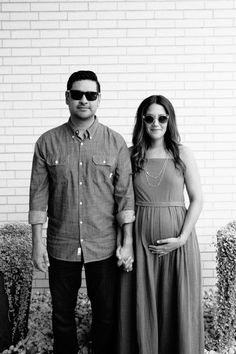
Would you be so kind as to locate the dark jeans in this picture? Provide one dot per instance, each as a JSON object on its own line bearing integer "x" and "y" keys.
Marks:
{"x": 64, "y": 282}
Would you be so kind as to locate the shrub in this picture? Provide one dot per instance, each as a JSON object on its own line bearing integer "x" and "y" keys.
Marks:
{"x": 209, "y": 313}
{"x": 40, "y": 339}
{"x": 17, "y": 270}
{"x": 226, "y": 286}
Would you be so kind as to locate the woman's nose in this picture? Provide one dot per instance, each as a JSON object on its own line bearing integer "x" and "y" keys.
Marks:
{"x": 156, "y": 121}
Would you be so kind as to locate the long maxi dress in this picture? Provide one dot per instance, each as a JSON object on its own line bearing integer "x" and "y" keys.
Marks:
{"x": 168, "y": 288}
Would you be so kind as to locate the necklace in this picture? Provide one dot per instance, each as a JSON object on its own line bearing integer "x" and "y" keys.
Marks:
{"x": 154, "y": 181}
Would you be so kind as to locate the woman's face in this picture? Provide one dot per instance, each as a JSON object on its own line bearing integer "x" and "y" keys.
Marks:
{"x": 157, "y": 128}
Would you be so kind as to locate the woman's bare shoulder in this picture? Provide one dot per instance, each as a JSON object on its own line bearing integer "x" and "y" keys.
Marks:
{"x": 186, "y": 153}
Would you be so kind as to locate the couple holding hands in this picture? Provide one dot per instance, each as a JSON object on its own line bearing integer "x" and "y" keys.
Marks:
{"x": 107, "y": 205}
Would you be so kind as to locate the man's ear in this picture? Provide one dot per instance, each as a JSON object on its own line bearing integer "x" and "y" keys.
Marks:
{"x": 67, "y": 97}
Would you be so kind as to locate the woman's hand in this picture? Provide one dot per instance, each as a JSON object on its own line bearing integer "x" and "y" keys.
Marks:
{"x": 166, "y": 246}
{"x": 125, "y": 257}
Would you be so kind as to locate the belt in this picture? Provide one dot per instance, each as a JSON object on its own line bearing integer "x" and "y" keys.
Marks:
{"x": 160, "y": 204}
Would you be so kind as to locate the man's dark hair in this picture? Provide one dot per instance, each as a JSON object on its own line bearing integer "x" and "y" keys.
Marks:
{"x": 83, "y": 75}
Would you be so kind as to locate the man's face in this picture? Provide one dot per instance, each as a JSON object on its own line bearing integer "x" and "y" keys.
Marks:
{"x": 83, "y": 108}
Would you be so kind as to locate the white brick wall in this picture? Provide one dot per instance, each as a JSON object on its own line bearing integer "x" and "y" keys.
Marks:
{"x": 185, "y": 50}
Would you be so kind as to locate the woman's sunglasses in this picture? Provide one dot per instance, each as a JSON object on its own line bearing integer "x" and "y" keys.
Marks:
{"x": 161, "y": 119}
{"x": 77, "y": 95}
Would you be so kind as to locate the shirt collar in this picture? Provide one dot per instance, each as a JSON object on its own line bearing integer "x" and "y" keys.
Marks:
{"x": 88, "y": 133}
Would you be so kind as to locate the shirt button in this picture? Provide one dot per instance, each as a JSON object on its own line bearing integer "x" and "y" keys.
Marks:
{"x": 80, "y": 183}
{"x": 81, "y": 144}
{"x": 81, "y": 240}
{"x": 104, "y": 161}
{"x": 80, "y": 203}
{"x": 56, "y": 162}
{"x": 81, "y": 163}
{"x": 81, "y": 222}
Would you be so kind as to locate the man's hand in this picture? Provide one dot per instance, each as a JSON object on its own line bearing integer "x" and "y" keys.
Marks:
{"x": 165, "y": 246}
{"x": 40, "y": 257}
{"x": 125, "y": 257}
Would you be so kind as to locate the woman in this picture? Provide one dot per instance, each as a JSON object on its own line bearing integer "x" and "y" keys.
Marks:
{"x": 168, "y": 281}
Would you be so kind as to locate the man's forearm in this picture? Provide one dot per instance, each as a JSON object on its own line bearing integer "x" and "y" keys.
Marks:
{"x": 37, "y": 233}
{"x": 127, "y": 234}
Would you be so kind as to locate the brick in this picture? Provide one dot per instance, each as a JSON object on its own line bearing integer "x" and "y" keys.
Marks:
{"x": 6, "y": 157}
{"x": 18, "y": 200}
{"x": 110, "y": 51}
{"x": 209, "y": 282}
{"x": 7, "y": 208}
{"x": 139, "y": 23}
{"x": 4, "y": 16}
{"x": 5, "y": 34}
{"x": 164, "y": 5}
{"x": 197, "y": 14}
{"x": 131, "y": 42}
{"x": 183, "y": 5}
{"x": 5, "y": 52}
{"x": 73, "y": 42}
{"x": 45, "y": 61}
{"x": 44, "y": 6}
{"x": 23, "y": 16}
{"x": 3, "y": 218}
{"x": 131, "y": 5}
{"x": 207, "y": 273}
{"x": 44, "y": 25}
{"x": 84, "y": 33}
{"x": 111, "y": 15}
{"x": 102, "y": 6}
{"x": 54, "y": 52}
{"x": 74, "y": 6}
{"x": 15, "y": 7}
{"x": 144, "y": 32}
{"x": 24, "y": 174}
{"x": 73, "y": 24}
{"x": 211, "y": 4}
{"x": 18, "y": 183}
{"x": 15, "y": 25}
{"x": 132, "y": 15}
{"x": 59, "y": 33}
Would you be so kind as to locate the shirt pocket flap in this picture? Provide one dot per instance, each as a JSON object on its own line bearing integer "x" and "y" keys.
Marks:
{"x": 55, "y": 161}
{"x": 103, "y": 160}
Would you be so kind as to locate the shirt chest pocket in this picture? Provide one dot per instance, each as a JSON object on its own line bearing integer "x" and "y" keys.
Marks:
{"x": 58, "y": 170}
{"x": 103, "y": 167}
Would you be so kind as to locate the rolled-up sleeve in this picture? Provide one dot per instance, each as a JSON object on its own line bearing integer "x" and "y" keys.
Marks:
{"x": 124, "y": 194}
{"x": 39, "y": 188}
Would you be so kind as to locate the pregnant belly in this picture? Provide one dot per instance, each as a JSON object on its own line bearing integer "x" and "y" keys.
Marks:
{"x": 154, "y": 223}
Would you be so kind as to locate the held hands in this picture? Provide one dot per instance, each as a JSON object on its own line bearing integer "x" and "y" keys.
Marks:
{"x": 125, "y": 257}
{"x": 40, "y": 257}
{"x": 165, "y": 246}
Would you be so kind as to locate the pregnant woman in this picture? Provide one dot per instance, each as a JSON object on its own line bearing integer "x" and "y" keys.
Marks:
{"x": 167, "y": 261}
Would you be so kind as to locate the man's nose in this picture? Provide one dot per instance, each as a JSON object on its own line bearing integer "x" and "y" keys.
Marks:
{"x": 83, "y": 99}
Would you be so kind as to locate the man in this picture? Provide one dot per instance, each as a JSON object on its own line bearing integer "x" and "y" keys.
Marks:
{"x": 81, "y": 179}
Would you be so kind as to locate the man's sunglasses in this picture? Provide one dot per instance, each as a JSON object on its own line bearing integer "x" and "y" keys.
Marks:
{"x": 150, "y": 119}
{"x": 77, "y": 95}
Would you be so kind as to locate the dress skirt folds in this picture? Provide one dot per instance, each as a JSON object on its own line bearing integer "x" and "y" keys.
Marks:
{"x": 163, "y": 292}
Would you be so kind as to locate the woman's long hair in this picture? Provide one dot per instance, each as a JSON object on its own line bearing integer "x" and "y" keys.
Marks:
{"x": 141, "y": 140}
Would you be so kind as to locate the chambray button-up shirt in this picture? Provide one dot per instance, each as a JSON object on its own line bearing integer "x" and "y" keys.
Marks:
{"x": 84, "y": 187}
